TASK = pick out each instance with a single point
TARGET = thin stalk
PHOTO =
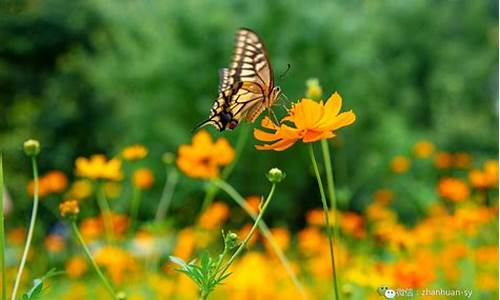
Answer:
(2, 233)
(327, 219)
(134, 208)
(31, 228)
(212, 188)
(92, 261)
(250, 234)
(102, 202)
(331, 188)
(265, 231)
(166, 196)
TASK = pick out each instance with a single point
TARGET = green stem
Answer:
(327, 218)
(250, 234)
(31, 228)
(212, 189)
(105, 212)
(92, 261)
(2, 233)
(331, 189)
(134, 208)
(226, 187)
(166, 196)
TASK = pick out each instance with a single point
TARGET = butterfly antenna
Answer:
(285, 72)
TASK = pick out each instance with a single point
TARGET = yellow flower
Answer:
(312, 122)
(203, 157)
(443, 160)
(80, 189)
(453, 189)
(118, 263)
(76, 267)
(143, 178)
(69, 208)
(423, 149)
(400, 164)
(134, 152)
(214, 216)
(97, 167)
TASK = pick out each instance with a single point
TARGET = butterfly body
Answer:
(246, 88)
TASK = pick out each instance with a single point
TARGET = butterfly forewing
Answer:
(246, 88)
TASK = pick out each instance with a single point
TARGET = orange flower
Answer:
(462, 160)
(16, 236)
(282, 238)
(353, 224)
(143, 178)
(312, 122)
(316, 217)
(51, 182)
(486, 178)
(253, 203)
(203, 157)
(134, 152)
(97, 167)
(118, 263)
(443, 160)
(69, 208)
(383, 196)
(76, 267)
(400, 164)
(453, 189)
(185, 243)
(214, 215)
(91, 228)
(423, 149)
(54, 243)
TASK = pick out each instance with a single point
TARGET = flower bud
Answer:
(121, 295)
(31, 148)
(69, 209)
(275, 175)
(168, 158)
(314, 90)
(231, 240)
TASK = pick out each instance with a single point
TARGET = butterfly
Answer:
(246, 88)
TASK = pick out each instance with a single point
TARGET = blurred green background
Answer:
(88, 77)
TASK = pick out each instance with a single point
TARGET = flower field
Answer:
(353, 185)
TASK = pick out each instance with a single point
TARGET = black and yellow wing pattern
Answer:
(246, 88)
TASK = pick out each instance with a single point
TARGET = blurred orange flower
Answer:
(185, 243)
(453, 189)
(383, 196)
(118, 263)
(443, 160)
(97, 167)
(203, 157)
(51, 182)
(143, 178)
(214, 215)
(54, 243)
(486, 178)
(462, 160)
(16, 236)
(400, 164)
(69, 208)
(317, 217)
(253, 202)
(91, 228)
(76, 267)
(423, 149)
(312, 122)
(134, 152)
(282, 238)
(311, 241)
(352, 224)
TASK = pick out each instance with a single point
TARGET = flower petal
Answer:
(307, 113)
(313, 136)
(278, 146)
(265, 136)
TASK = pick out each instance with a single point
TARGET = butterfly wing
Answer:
(251, 67)
(245, 87)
